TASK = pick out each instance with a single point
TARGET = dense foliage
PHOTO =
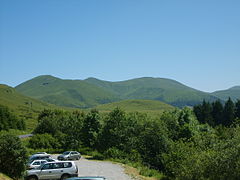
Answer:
(13, 155)
(9, 121)
(176, 143)
(218, 114)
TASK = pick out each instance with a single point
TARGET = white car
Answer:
(36, 163)
(53, 170)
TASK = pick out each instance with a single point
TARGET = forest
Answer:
(190, 143)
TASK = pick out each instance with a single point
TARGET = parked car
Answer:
(40, 153)
(88, 178)
(36, 163)
(39, 157)
(69, 155)
(53, 170)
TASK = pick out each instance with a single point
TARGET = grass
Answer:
(4, 177)
(145, 106)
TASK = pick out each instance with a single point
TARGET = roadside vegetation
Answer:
(179, 144)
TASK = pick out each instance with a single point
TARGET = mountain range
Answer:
(92, 92)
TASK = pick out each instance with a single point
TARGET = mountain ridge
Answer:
(233, 93)
(92, 92)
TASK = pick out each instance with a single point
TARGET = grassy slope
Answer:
(233, 92)
(165, 90)
(136, 105)
(4, 177)
(22, 105)
(71, 93)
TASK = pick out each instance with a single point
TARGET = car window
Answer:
(67, 152)
(67, 164)
(36, 163)
(47, 166)
(58, 165)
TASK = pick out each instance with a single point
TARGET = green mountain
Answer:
(92, 92)
(69, 93)
(137, 105)
(165, 90)
(233, 93)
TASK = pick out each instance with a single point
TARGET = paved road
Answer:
(101, 168)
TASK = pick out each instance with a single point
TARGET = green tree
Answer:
(237, 109)
(90, 129)
(45, 141)
(9, 121)
(47, 125)
(153, 142)
(217, 112)
(203, 113)
(112, 134)
(228, 113)
(13, 155)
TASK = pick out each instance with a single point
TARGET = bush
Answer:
(98, 156)
(45, 141)
(13, 155)
(114, 153)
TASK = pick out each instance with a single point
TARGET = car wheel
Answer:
(32, 178)
(65, 176)
(78, 158)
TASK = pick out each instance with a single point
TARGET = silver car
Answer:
(88, 178)
(53, 170)
(69, 155)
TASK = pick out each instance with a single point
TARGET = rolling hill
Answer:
(136, 105)
(165, 90)
(233, 93)
(68, 93)
(92, 92)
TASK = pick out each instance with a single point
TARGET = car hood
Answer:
(33, 171)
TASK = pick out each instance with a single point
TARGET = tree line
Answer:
(217, 113)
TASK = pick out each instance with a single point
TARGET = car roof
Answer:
(39, 160)
(88, 178)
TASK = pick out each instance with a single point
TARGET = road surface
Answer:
(109, 170)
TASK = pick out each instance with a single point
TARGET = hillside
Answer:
(4, 177)
(165, 90)
(69, 93)
(233, 93)
(92, 92)
(23, 106)
(136, 105)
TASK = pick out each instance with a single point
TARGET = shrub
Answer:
(13, 155)
(45, 141)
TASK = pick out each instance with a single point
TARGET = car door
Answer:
(46, 172)
(57, 170)
(73, 155)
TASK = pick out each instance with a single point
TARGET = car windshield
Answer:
(67, 152)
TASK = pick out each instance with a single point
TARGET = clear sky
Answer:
(196, 42)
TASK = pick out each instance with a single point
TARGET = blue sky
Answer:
(196, 42)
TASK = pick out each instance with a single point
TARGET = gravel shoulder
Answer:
(101, 168)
